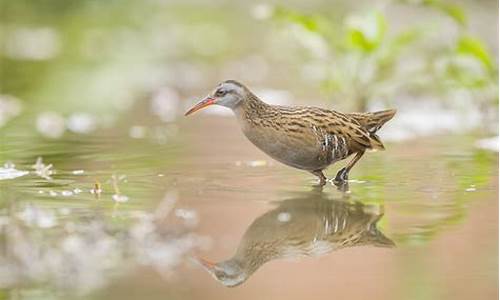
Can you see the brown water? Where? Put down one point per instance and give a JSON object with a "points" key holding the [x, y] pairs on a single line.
{"points": [[420, 220]]}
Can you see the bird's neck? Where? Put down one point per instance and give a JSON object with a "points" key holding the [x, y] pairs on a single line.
{"points": [[252, 255], [248, 265], [252, 113], [252, 107]]}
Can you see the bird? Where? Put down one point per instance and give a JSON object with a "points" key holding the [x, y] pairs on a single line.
{"points": [[304, 137], [308, 225]]}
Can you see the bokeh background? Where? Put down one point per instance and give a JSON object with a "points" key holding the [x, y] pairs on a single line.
{"points": [[91, 62], [107, 191]]}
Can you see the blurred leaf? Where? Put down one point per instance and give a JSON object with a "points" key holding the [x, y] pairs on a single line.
{"points": [[366, 32], [397, 44], [319, 24], [358, 39], [474, 47], [454, 11], [466, 72], [406, 37], [308, 22]]}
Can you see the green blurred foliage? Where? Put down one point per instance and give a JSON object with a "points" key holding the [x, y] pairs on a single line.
{"points": [[108, 52], [472, 46], [454, 11], [113, 53], [368, 60], [367, 33]]}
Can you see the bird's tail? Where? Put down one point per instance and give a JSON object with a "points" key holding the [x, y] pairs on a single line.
{"points": [[372, 122]]}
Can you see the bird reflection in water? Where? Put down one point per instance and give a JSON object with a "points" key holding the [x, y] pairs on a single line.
{"points": [[311, 225]]}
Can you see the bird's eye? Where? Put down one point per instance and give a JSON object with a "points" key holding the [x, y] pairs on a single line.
{"points": [[220, 93]]}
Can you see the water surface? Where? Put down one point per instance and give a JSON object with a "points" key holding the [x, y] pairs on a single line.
{"points": [[117, 217]]}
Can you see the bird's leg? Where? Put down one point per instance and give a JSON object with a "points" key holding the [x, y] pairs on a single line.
{"points": [[321, 176], [343, 187], [343, 174]]}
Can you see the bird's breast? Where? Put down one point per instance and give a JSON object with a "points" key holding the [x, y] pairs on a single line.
{"points": [[299, 150]]}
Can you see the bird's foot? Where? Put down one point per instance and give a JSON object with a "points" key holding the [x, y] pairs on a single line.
{"points": [[321, 182], [342, 186], [342, 176], [321, 177]]}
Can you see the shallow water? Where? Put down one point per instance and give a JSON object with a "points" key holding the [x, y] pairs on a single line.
{"points": [[117, 217]]}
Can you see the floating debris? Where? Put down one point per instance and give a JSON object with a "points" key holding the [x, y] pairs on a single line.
{"points": [[9, 171], [470, 189], [97, 189], [114, 182], [78, 172], [42, 170], [67, 193], [50, 124], [119, 198], [77, 191], [53, 193]]}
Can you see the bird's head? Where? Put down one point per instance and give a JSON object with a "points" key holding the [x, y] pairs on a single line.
{"points": [[229, 93], [229, 272]]}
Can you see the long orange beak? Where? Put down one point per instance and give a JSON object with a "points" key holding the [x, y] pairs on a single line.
{"points": [[207, 265], [203, 103]]}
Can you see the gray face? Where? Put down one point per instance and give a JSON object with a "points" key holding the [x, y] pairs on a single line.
{"points": [[229, 273], [229, 94]]}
